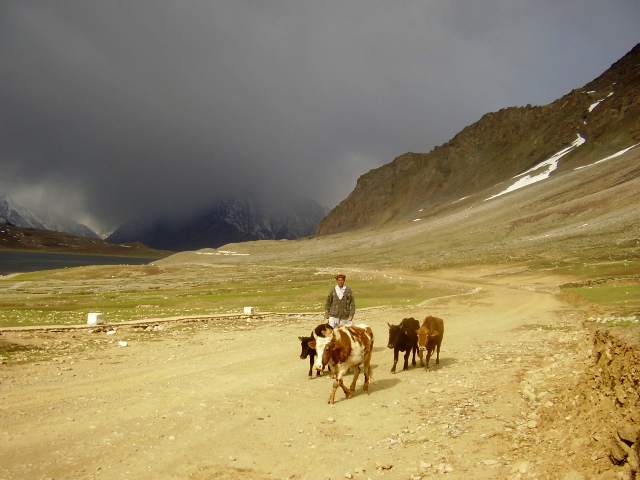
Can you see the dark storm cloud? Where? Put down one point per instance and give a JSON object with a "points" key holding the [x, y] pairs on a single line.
{"points": [[110, 110]]}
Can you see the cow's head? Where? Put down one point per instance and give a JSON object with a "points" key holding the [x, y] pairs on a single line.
{"points": [[308, 344], [424, 334], [323, 346], [324, 330], [395, 332]]}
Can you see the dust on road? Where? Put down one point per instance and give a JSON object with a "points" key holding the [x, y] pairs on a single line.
{"points": [[231, 399]]}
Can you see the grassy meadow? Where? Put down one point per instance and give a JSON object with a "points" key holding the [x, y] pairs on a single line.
{"points": [[126, 293]]}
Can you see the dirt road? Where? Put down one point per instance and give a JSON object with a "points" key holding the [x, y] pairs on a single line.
{"points": [[230, 399]]}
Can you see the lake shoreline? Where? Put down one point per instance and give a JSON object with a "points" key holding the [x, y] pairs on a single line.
{"points": [[14, 262]]}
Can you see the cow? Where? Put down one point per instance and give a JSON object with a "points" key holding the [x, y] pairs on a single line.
{"points": [[429, 338], [404, 338], [308, 345], [348, 346]]}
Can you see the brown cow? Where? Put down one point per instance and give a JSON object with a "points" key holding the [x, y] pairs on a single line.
{"points": [[346, 347], [429, 338]]}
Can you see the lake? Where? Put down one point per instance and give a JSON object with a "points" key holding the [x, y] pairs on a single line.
{"points": [[20, 262]]}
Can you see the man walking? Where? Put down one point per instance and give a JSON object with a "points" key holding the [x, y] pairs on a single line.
{"points": [[340, 306]]}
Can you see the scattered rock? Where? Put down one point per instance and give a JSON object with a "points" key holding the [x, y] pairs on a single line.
{"points": [[621, 395], [629, 432], [618, 450]]}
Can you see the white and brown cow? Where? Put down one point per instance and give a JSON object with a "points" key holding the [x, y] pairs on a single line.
{"points": [[348, 346]]}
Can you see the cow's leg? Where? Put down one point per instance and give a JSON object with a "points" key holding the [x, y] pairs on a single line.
{"points": [[346, 391], [395, 360], [420, 354], [414, 349], [338, 383], [312, 357], [438, 354], [332, 397], [355, 379], [367, 375], [429, 353], [406, 359]]}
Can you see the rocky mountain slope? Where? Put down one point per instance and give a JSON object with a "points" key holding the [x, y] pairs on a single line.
{"points": [[605, 113]]}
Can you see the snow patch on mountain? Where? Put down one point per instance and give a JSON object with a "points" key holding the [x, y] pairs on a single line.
{"points": [[543, 169], [617, 154]]}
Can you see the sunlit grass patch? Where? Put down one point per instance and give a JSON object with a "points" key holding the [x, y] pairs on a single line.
{"points": [[619, 298], [600, 269], [611, 295]]}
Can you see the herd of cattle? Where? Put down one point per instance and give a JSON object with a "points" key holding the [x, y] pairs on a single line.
{"points": [[346, 347]]}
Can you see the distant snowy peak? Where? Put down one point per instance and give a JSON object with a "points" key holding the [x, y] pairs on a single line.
{"points": [[238, 220], [41, 219]]}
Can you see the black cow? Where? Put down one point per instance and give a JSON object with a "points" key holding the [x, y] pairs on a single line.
{"points": [[309, 345], [404, 338]]}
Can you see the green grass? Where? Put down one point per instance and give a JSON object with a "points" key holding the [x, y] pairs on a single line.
{"points": [[130, 292], [607, 287], [615, 299], [600, 269], [611, 295], [125, 293]]}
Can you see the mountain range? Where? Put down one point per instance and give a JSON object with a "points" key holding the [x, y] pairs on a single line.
{"points": [[238, 220]]}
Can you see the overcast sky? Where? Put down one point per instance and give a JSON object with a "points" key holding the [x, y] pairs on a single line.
{"points": [[111, 109]]}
